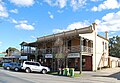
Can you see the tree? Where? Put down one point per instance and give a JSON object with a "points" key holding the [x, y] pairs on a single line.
{"points": [[10, 50], [59, 56], [114, 46]]}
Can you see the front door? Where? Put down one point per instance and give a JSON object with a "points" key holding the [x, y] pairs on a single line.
{"points": [[87, 63]]}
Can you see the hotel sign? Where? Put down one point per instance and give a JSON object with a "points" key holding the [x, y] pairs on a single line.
{"points": [[73, 55], [48, 55]]}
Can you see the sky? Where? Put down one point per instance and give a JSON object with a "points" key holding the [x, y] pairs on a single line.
{"points": [[26, 20]]}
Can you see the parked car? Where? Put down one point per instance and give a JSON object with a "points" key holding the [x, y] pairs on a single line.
{"points": [[16, 66], [29, 66], [1, 63], [7, 65]]}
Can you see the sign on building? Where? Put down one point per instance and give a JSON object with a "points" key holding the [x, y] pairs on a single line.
{"points": [[48, 55], [73, 55]]}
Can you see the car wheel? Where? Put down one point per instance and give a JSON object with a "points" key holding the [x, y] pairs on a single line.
{"points": [[16, 69], [27, 70], [8, 68], [44, 71]]}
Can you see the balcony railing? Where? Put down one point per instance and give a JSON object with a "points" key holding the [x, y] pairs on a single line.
{"points": [[87, 49], [28, 52], [74, 49]]}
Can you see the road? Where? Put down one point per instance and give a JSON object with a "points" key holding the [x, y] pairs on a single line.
{"points": [[6, 78], [87, 77]]}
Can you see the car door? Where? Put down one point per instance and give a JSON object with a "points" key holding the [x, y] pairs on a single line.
{"points": [[39, 67], [35, 67]]}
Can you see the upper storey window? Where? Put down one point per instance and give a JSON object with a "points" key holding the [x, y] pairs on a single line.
{"points": [[105, 46]]}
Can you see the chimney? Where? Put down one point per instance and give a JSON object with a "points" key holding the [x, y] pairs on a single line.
{"points": [[106, 34], [94, 25]]}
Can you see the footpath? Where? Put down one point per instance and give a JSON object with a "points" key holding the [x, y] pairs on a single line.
{"points": [[108, 75]]}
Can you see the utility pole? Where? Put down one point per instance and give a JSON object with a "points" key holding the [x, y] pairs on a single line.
{"points": [[80, 55]]}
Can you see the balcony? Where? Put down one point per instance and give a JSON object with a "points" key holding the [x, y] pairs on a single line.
{"points": [[72, 49], [75, 48], [86, 49], [27, 52]]}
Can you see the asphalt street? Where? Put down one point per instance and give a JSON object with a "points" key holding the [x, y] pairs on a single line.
{"points": [[103, 76], [6, 78]]}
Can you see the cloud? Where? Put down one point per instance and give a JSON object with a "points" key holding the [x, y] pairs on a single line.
{"points": [[22, 24], [23, 21], [95, 0], [109, 22], [50, 15], [33, 37], [62, 3], [59, 3], [3, 10], [0, 43], [75, 4], [14, 11], [108, 4], [14, 21], [75, 25], [60, 11], [25, 3], [112, 33]]}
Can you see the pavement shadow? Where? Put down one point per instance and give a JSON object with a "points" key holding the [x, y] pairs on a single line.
{"points": [[115, 75]]}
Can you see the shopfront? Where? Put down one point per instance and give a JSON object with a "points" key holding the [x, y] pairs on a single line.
{"points": [[74, 61], [48, 60]]}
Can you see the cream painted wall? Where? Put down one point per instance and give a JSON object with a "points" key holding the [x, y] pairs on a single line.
{"points": [[91, 36], [97, 49], [100, 50], [114, 62]]}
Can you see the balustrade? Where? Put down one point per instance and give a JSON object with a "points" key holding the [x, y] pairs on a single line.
{"points": [[71, 49]]}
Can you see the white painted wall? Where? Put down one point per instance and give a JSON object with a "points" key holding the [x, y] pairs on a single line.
{"points": [[97, 49], [100, 50], [91, 36], [114, 61]]}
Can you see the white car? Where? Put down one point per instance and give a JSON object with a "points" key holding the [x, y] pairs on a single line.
{"points": [[30, 66]]}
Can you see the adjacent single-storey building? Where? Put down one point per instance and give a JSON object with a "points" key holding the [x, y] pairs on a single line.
{"points": [[73, 49], [113, 62]]}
